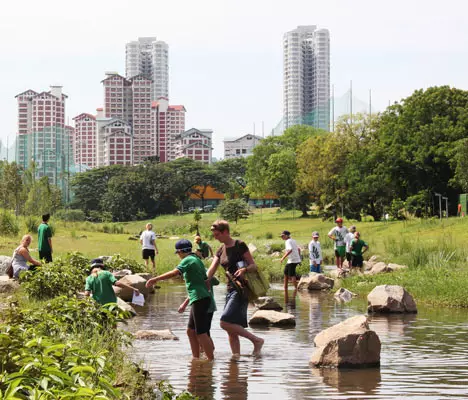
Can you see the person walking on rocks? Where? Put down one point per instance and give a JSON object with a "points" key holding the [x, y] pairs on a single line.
{"points": [[204, 249], [348, 239], [338, 234], [45, 239], [194, 273], [358, 248], [293, 253], [315, 253], [236, 259], [149, 249]]}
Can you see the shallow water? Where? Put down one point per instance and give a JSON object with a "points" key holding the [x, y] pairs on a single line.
{"points": [[424, 356]]}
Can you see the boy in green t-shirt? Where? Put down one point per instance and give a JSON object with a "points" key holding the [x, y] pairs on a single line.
{"points": [[194, 273], [204, 249], [358, 247]]}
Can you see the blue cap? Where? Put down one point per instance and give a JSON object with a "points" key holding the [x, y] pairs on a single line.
{"points": [[183, 245]]}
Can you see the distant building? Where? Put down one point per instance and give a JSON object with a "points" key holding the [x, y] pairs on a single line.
{"points": [[168, 122], [240, 147], [150, 58], [84, 140], [306, 77], [195, 144], [42, 136]]}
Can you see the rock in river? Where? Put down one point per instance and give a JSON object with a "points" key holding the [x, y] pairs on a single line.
{"points": [[271, 317], [390, 299], [165, 334]]}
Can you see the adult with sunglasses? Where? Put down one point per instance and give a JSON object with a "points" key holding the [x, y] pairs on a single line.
{"points": [[236, 259], [194, 273]]}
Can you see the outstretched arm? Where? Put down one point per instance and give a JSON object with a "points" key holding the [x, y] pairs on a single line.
{"points": [[168, 275]]}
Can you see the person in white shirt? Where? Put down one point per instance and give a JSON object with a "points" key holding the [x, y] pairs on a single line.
{"points": [[315, 253], [293, 254], [348, 239], [148, 243], [338, 234]]}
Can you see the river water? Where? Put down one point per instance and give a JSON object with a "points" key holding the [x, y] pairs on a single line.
{"points": [[424, 356]]}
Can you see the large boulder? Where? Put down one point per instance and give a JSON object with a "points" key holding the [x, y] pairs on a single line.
{"points": [[145, 275], [267, 303], [273, 318], [315, 281], [348, 344], [121, 273], [377, 268], [165, 334], [134, 281], [125, 306], [8, 285], [4, 263], [390, 299], [345, 295]]}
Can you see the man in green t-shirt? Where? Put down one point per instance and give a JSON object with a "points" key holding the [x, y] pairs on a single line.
{"points": [[45, 239], [194, 273], [204, 249], [100, 284], [358, 247]]}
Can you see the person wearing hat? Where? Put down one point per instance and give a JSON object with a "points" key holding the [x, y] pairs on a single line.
{"points": [[193, 271], [348, 239], [358, 248], [315, 253], [293, 253], [338, 234], [204, 249], [100, 284]]}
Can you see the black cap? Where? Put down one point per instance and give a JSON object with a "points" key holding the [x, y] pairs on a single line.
{"points": [[184, 245], [97, 262], [287, 233]]}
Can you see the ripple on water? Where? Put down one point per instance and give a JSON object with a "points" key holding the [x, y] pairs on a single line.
{"points": [[423, 356]]}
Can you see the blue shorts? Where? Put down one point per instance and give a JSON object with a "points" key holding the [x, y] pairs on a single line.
{"points": [[235, 309], [315, 268]]}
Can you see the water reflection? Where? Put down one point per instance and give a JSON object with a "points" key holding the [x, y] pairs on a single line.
{"points": [[200, 379], [346, 381], [234, 383]]}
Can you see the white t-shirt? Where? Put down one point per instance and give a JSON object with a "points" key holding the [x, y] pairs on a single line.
{"points": [[294, 256], [148, 238], [340, 234], [348, 239], [315, 252]]}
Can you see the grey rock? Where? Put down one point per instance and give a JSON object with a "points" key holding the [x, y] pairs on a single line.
{"points": [[267, 303], [8, 285], [315, 281], [134, 281], [4, 263], [345, 295], [390, 299], [125, 306], [273, 318], [165, 334]]}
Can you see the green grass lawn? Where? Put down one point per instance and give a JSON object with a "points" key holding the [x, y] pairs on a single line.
{"points": [[434, 250]]}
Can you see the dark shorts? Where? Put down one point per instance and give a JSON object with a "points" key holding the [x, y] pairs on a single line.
{"points": [[200, 318], [357, 261], [148, 253], [290, 269], [45, 255], [235, 309], [349, 257], [340, 251]]}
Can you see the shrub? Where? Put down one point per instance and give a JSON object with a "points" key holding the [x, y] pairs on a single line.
{"points": [[31, 223], [275, 247], [118, 262], [268, 235], [8, 224], [70, 215]]}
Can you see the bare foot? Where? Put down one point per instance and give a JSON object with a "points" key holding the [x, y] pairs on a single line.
{"points": [[258, 347]]}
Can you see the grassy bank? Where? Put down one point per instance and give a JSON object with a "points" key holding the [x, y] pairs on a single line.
{"points": [[433, 250]]}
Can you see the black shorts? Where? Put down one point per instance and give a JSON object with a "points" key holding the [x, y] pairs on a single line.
{"points": [[349, 257], [200, 318], [148, 253], [357, 261], [45, 255], [290, 269]]}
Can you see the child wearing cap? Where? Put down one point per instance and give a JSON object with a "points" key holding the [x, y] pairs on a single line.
{"points": [[100, 284], [315, 253], [358, 248], [338, 234], [193, 271]]}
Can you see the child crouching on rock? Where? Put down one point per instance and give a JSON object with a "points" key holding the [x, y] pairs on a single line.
{"points": [[193, 271]]}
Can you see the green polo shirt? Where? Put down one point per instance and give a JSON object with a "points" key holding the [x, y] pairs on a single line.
{"points": [[204, 249], [356, 247], [194, 273], [44, 233], [102, 287]]}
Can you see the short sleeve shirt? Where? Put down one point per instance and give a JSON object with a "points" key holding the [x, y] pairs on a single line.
{"points": [[204, 249], [293, 257], [194, 273], [148, 238], [340, 234], [315, 251], [102, 287], [356, 247], [44, 233], [229, 257], [348, 239]]}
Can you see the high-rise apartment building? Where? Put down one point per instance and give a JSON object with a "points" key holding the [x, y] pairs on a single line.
{"points": [[84, 141], [42, 135], [195, 144], [149, 57], [306, 79]]}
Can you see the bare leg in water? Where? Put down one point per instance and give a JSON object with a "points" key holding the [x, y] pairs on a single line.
{"points": [[234, 331]]}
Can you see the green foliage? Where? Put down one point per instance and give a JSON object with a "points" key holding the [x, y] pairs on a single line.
{"points": [[32, 223], [8, 224], [268, 235], [72, 215], [113, 228], [234, 210], [118, 262]]}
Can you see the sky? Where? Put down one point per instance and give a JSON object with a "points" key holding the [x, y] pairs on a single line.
{"points": [[225, 56]]}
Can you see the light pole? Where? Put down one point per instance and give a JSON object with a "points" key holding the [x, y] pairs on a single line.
{"points": [[440, 204], [446, 206]]}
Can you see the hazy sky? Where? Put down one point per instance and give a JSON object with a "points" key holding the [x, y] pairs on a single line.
{"points": [[226, 55]]}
